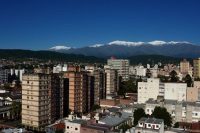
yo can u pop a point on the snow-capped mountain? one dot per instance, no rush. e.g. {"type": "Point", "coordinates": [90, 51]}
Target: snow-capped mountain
{"type": "Point", "coordinates": [57, 48]}
{"type": "Point", "coordinates": [155, 43]}
{"type": "Point", "coordinates": [96, 45]}
{"type": "Point", "coordinates": [127, 48]}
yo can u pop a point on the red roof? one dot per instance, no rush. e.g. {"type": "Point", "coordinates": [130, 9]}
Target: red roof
{"type": "Point", "coordinates": [59, 126]}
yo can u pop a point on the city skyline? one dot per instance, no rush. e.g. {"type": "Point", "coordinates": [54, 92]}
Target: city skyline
{"type": "Point", "coordinates": [40, 25]}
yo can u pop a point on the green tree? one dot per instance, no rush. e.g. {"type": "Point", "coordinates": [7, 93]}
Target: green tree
{"type": "Point", "coordinates": [161, 113]}
{"type": "Point", "coordinates": [122, 90]}
{"type": "Point", "coordinates": [163, 78]}
{"type": "Point", "coordinates": [124, 127]}
{"type": "Point", "coordinates": [188, 80]}
{"type": "Point", "coordinates": [129, 86]}
{"type": "Point", "coordinates": [173, 76]}
{"type": "Point", "coordinates": [138, 113]}
{"type": "Point", "coordinates": [176, 125]}
{"type": "Point", "coordinates": [15, 111]}
{"type": "Point", "coordinates": [95, 107]}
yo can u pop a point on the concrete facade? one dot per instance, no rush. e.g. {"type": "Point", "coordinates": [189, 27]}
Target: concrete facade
{"type": "Point", "coordinates": [121, 65]}
{"type": "Point", "coordinates": [175, 91]}
{"type": "Point", "coordinates": [149, 89]}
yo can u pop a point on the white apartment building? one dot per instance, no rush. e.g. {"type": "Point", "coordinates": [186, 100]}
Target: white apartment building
{"type": "Point", "coordinates": [149, 89]}
{"type": "Point", "coordinates": [154, 72]}
{"type": "Point", "coordinates": [17, 72]}
{"type": "Point", "coordinates": [153, 89]}
{"type": "Point", "coordinates": [73, 126]}
{"type": "Point", "coordinates": [175, 91]}
{"type": "Point", "coordinates": [60, 68]}
{"type": "Point", "coordinates": [121, 65]}
{"type": "Point", "coordinates": [141, 71]}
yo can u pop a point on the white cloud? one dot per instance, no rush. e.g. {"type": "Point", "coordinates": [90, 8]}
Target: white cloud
{"type": "Point", "coordinates": [96, 45]}
{"type": "Point", "coordinates": [60, 48]}
{"type": "Point", "coordinates": [157, 42]}
{"type": "Point", "coordinates": [125, 43]}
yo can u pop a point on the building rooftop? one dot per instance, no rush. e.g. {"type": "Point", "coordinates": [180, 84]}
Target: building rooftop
{"type": "Point", "coordinates": [79, 121]}
{"type": "Point", "coordinates": [98, 127]}
{"type": "Point", "coordinates": [113, 120]}
{"type": "Point", "coordinates": [183, 103]}
{"type": "Point", "coordinates": [151, 120]}
{"type": "Point", "coordinates": [151, 101]}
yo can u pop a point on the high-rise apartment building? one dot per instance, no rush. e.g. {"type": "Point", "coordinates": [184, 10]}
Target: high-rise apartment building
{"type": "Point", "coordinates": [77, 90]}
{"type": "Point", "coordinates": [42, 102]}
{"type": "Point", "coordinates": [83, 90]}
{"type": "Point", "coordinates": [100, 85]}
{"type": "Point", "coordinates": [121, 65]}
{"type": "Point", "coordinates": [184, 66]}
{"type": "Point", "coordinates": [4, 74]}
{"type": "Point", "coordinates": [196, 68]}
{"type": "Point", "coordinates": [35, 101]}
{"type": "Point", "coordinates": [56, 97]}
{"type": "Point", "coordinates": [112, 82]}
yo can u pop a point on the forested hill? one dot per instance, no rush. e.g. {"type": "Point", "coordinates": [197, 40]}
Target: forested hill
{"type": "Point", "coordinates": [56, 56]}
{"type": "Point", "coordinates": [47, 55]}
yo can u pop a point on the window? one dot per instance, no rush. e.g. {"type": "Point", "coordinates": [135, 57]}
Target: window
{"type": "Point", "coordinates": [27, 106]}
{"type": "Point", "coordinates": [67, 127]}
{"type": "Point", "coordinates": [76, 128]}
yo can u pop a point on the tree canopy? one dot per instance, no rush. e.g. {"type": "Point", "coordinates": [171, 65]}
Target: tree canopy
{"type": "Point", "coordinates": [173, 76]}
{"type": "Point", "coordinates": [161, 113]}
{"type": "Point", "coordinates": [129, 86]}
{"type": "Point", "coordinates": [95, 107]}
{"type": "Point", "coordinates": [188, 80]}
{"type": "Point", "coordinates": [138, 113]}
{"type": "Point", "coordinates": [124, 127]}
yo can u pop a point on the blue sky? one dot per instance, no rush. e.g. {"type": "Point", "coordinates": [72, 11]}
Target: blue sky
{"type": "Point", "coordinates": [41, 24]}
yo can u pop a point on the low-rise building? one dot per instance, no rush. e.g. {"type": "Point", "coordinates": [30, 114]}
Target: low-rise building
{"type": "Point", "coordinates": [181, 111]}
{"type": "Point", "coordinates": [115, 120]}
{"type": "Point", "coordinates": [150, 125]}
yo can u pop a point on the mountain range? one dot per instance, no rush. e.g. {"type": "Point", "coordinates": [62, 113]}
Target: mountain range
{"type": "Point", "coordinates": [124, 49]}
